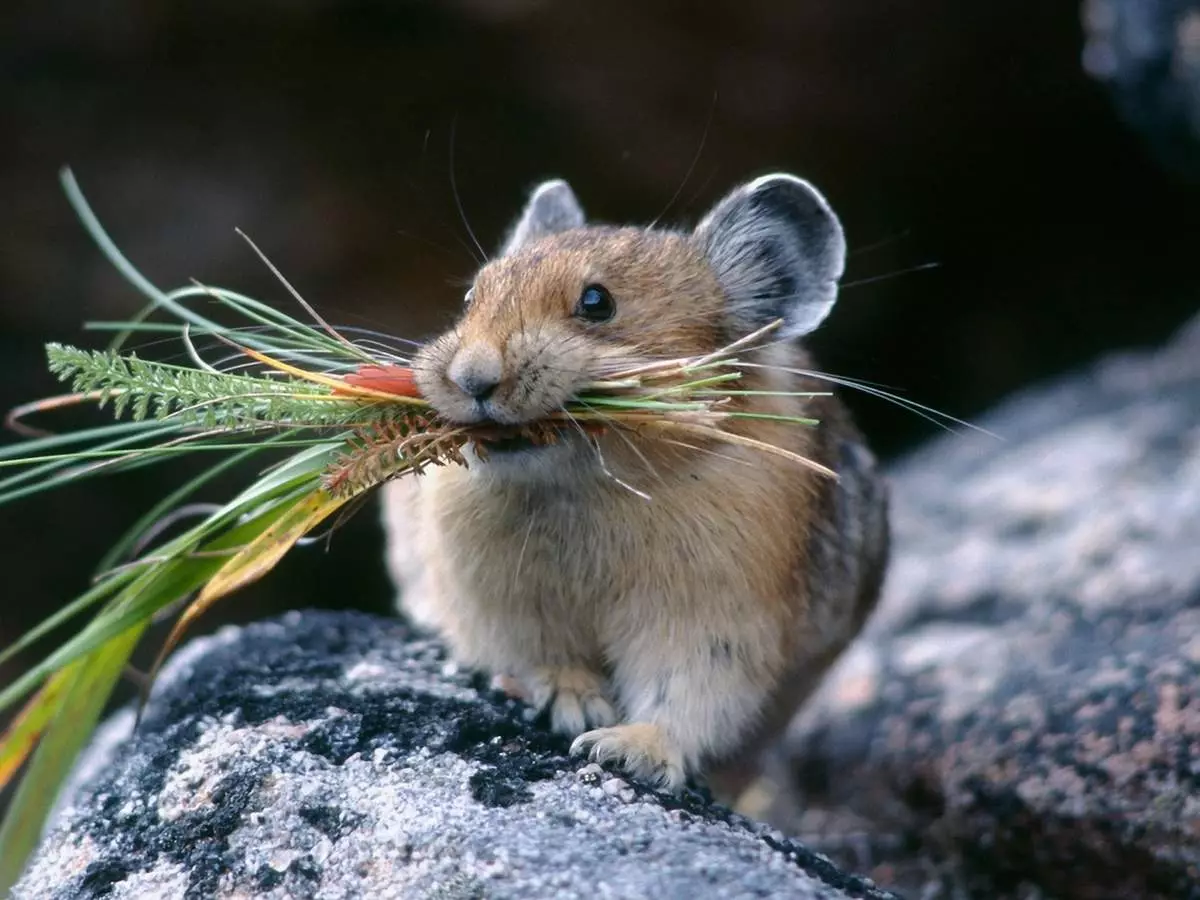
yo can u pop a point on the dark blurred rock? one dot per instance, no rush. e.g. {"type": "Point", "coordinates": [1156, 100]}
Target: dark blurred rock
{"type": "Point", "coordinates": [1147, 53]}
{"type": "Point", "coordinates": [337, 756]}
{"type": "Point", "coordinates": [1022, 718]}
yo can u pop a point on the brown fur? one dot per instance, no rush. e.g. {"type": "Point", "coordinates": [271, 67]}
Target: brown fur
{"type": "Point", "coordinates": [676, 634]}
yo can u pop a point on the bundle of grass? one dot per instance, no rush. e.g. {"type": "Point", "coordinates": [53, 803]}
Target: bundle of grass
{"type": "Point", "coordinates": [342, 408]}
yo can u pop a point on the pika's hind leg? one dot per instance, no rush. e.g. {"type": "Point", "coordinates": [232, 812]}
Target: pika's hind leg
{"type": "Point", "coordinates": [755, 780]}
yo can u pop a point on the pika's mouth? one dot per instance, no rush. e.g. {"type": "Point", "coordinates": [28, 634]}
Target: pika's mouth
{"type": "Point", "coordinates": [510, 441]}
{"type": "Point", "coordinates": [508, 445]}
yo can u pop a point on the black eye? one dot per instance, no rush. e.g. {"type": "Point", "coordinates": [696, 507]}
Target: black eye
{"type": "Point", "coordinates": [596, 304]}
{"type": "Point", "coordinates": [468, 297]}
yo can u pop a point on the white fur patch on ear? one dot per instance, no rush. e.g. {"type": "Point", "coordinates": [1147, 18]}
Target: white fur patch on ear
{"type": "Point", "coordinates": [552, 207]}
{"type": "Point", "coordinates": [778, 249]}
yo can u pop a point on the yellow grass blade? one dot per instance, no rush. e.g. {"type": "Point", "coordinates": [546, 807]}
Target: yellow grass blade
{"type": "Point", "coordinates": [261, 555]}
{"type": "Point", "coordinates": [23, 732]}
{"type": "Point", "coordinates": [327, 380]}
{"type": "Point", "coordinates": [743, 440]}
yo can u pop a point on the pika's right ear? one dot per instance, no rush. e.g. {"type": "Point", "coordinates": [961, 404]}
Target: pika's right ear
{"type": "Point", "coordinates": [552, 207]}
{"type": "Point", "coordinates": [778, 250]}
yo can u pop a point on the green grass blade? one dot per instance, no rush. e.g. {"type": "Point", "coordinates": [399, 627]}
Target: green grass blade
{"type": "Point", "coordinates": [83, 700]}
{"type": "Point", "coordinates": [98, 654]}
{"type": "Point", "coordinates": [128, 540]}
{"type": "Point", "coordinates": [84, 211]}
{"type": "Point", "coordinates": [42, 477]}
{"type": "Point", "coordinates": [284, 326]}
{"type": "Point", "coordinates": [172, 574]}
{"type": "Point", "coordinates": [639, 404]}
{"type": "Point", "coordinates": [145, 452]}
{"type": "Point", "coordinates": [170, 301]}
{"type": "Point", "coordinates": [79, 436]}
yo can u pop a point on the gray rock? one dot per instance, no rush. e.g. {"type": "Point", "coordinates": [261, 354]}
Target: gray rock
{"type": "Point", "coordinates": [334, 756]}
{"type": "Point", "coordinates": [1022, 717]}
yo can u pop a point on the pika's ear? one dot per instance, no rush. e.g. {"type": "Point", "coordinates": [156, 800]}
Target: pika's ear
{"type": "Point", "coordinates": [778, 250]}
{"type": "Point", "coordinates": [552, 207]}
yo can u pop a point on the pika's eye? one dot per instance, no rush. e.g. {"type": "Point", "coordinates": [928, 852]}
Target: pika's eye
{"type": "Point", "coordinates": [596, 304]}
{"type": "Point", "coordinates": [468, 297]}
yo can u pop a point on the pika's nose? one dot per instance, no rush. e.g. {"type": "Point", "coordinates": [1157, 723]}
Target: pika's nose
{"type": "Point", "coordinates": [476, 370]}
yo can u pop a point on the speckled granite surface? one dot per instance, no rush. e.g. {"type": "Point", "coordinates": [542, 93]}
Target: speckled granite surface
{"type": "Point", "coordinates": [1023, 716]}
{"type": "Point", "coordinates": [332, 756]}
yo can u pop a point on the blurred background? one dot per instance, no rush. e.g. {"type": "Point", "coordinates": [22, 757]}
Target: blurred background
{"type": "Point", "coordinates": [1043, 155]}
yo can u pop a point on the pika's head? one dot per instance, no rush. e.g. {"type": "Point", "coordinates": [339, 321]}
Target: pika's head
{"type": "Point", "coordinates": [566, 303]}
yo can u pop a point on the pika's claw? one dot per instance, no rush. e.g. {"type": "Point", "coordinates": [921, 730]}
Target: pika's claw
{"type": "Point", "coordinates": [574, 697]}
{"type": "Point", "coordinates": [642, 749]}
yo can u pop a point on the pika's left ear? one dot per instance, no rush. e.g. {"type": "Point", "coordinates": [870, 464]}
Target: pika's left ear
{"type": "Point", "coordinates": [778, 250]}
{"type": "Point", "coordinates": [552, 207]}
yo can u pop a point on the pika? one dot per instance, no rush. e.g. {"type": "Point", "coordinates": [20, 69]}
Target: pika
{"type": "Point", "coordinates": [673, 629]}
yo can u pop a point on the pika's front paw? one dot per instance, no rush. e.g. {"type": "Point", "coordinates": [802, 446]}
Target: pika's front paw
{"type": "Point", "coordinates": [642, 749]}
{"type": "Point", "coordinates": [575, 699]}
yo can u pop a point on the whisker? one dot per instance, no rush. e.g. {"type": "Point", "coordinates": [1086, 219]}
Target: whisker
{"type": "Point", "coordinates": [603, 464]}
{"type": "Point", "coordinates": [925, 412]}
{"type": "Point", "coordinates": [607, 471]}
{"type": "Point", "coordinates": [483, 257]}
{"type": "Point", "coordinates": [702, 186]}
{"type": "Point", "coordinates": [524, 546]}
{"type": "Point", "coordinates": [923, 267]}
{"type": "Point", "coordinates": [441, 248]}
{"type": "Point", "coordinates": [418, 188]}
{"type": "Point", "coordinates": [381, 336]}
{"type": "Point", "coordinates": [615, 427]}
{"type": "Point", "coordinates": [691, 168]}
{"type": "Point", "coordinates": [379, 347]}
{"type": "Point", "coordinates": [708, 450]}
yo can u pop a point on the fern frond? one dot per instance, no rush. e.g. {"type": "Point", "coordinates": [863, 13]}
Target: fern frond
{"type": "Point", "coordinates": [194, 397]}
